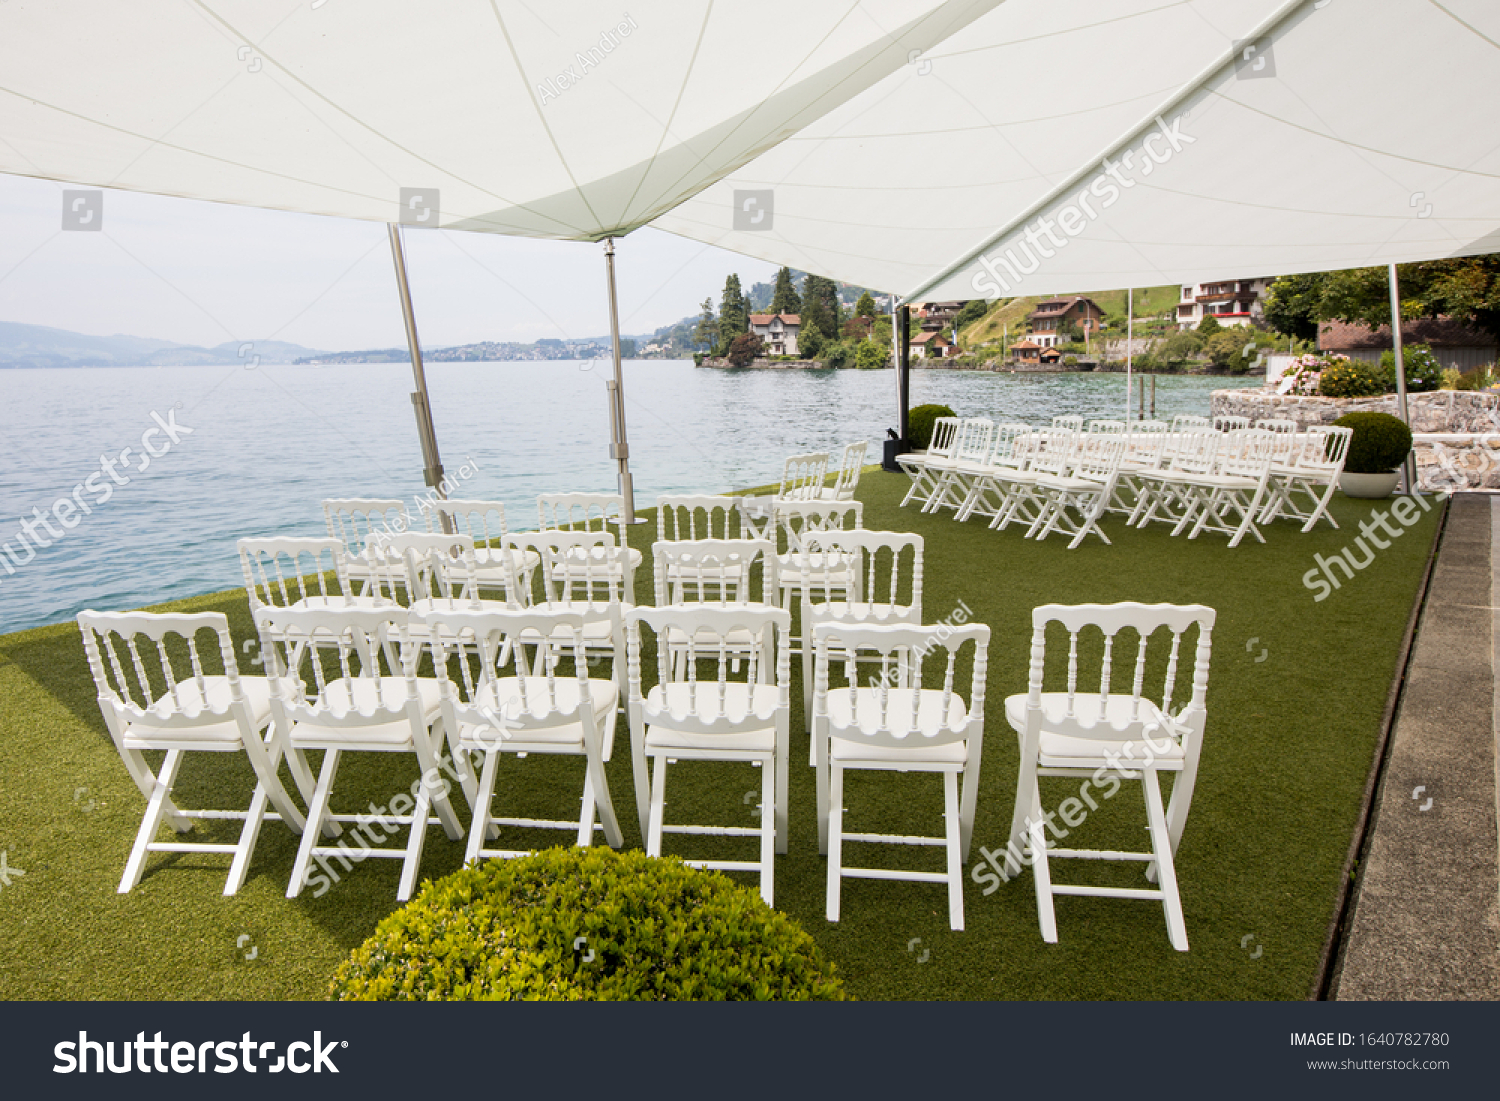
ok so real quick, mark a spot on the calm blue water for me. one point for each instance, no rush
(267, 445)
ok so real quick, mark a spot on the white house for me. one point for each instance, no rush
(778, 331)
(1231, 301)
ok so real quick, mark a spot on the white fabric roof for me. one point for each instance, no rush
(1310, 136)
(333, 107)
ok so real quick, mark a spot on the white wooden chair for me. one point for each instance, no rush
(719, 572)
(1048, 454)
(353, 705)
(988, 491)
(1187, 422)
(156, 694)
(358, 522)
(745, 720)
(1226, 423)
(484, 522)
(594, 513)
(955, 474)
(802, 477)
(851, 464)
(900, 725)
(915, 463)
(289, 572)
(1086, 489)
(688, 516)
(1117, 735)
(794, 519)
(1107, 427)
(1193, 451)
(585, 574)
(1239, 484)
(1313, 473)
(857, 577)
(495, 712)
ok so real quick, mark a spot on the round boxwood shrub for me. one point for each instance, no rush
(1345, 378)
(919, 422)
(574, 924)
(1379, 445)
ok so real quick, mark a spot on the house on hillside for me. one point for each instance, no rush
(1229, 301)
(1453, 343)
(938, 315)
(1025, 351)
(933, 343)
(778, 331)
(1053, 315)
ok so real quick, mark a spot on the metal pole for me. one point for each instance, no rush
(1129, 345)
(904, 369)
(432, 464)
(1408, 468)
(619, 447)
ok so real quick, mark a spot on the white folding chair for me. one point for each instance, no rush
(288, 572)
(484, 523)
(850, 466)
(355, 706)
(1087, 489)
(594, 513)
(802, 477)
(156, 695)
(718, 719)
(688, 516)
(1226, 423)
(1186, 422)
(1238, 485)
(915, 463)
(1191, 452)
(715, 571)
(1107, 734)
(358, 522)
(585, 574)
(1313, 473)
(491, 712)
(1107, 427)
(1067, 423)
(856, 577)
(1048, 454)
(794, 519)
(988, 490)
(970, 457)
(899, 725)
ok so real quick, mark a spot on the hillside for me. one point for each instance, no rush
(43, 346)
(1149, 302)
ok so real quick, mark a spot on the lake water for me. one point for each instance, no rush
(268, 444)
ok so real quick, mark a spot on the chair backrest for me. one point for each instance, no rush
(795, 517)
(280, 571)
(353, 520)
(891, 714)
(578, 511)
(483, 521)
(151, 666)
(1055, 451)
(1185, 421)
(1226, 423)
(474, 699)
(1192, 450)
(1091, 715)
(698, 516)
(1106, 426)
(1067, 422)
(850, 466)
(873, 575)
(342, 649)
(1147, 441)
(1277, 424)
(1100, 455)
(975, 440)
(581, 568)
(715, 634)
(1324, 449)
(1247, 453)
(802, 477)
(1009, 450)
(719, 571)
(944, 436)
(431, 564)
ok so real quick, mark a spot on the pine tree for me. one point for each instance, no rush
(707, 332)
(865, 307)
(785, 299)
(820, 302)
(734, 315)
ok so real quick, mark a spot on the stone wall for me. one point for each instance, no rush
(1456, 432)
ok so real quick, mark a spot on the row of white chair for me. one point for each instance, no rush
(1223, 477)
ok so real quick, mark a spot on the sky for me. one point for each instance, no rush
(205, 273)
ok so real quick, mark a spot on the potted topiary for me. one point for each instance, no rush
(919, 423)
(1377, 449)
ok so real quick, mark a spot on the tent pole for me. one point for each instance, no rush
(619, 446)
(903, 369)
(432, 464)
(1408, 468)
(1129, 345)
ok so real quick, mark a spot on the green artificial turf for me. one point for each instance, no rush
(1289, 743)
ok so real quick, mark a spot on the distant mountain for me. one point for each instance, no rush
(42, 346)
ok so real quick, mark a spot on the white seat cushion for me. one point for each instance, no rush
(1055, 745)
(756, 732)
(162, 732)
(369, 693)
(849, 745)
(504, 698)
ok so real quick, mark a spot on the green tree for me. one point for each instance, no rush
(870, 354)
(734, 314)
(836, 354)
(1180, 347)
(1236, 348)
(1209, 325)
(1293, 305)
(820, 306)
(706, 335)
(972, 312)
(784, 298)
(865, 307)
(809, 340)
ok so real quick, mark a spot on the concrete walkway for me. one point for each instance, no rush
(1426, 916)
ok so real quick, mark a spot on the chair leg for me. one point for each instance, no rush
(156, 808)
(768, 816)
(1041, 871)
(145, 780)
(658, 807)
(835, 838)
(1166, 873)
(415, 842)
(240, 866)
(596, 797)
(316, 811)
(480, 827)
(955, 843)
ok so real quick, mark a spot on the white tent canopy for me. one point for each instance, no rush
(576, 121)
(1025, 155)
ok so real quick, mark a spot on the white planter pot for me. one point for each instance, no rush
(1368, 485)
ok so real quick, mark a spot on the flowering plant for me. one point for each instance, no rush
(1303, 376)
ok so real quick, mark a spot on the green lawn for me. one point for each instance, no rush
(1288, 747)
